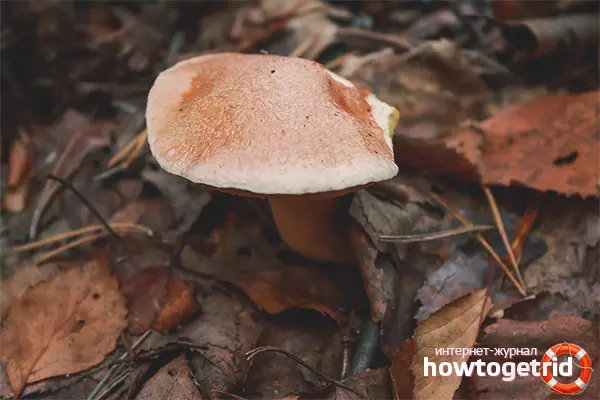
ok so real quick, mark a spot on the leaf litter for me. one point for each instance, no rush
(502, 94)
(63, 326)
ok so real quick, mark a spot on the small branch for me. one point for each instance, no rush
(367, 345)
(253, 353)
(85, 201)
(424, 237)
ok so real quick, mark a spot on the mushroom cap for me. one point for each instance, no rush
(268, 124)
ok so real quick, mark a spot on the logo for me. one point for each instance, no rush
(549, 368)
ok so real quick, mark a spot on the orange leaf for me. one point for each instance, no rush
(157, 299)
(403, 379)
(181, 304)
(546, 144)
(63, 326)
(275, 290)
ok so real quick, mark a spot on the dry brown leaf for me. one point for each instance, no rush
(507, 148)
(17, 285)
(227, 328)
(317, 341)
(455, 325)
(403, 380)
(63, 326)
(434, 90)
(278, 289)
(240, 253)
(157, 299)
(541, 335)
(172, 382)
(378, 286)
(546, 144)
(181, 304)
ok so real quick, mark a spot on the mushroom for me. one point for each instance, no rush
(278, 127)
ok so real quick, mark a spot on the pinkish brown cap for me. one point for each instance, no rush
(268, 124)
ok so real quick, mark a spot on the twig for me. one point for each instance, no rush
(79, 232)
(434, 235)
(502, 231)
(85, 201)
(264, 349)
(481, 240)
(367, 345)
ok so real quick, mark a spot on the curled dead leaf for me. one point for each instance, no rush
(158, 299)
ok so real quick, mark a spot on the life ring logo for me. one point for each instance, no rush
(549, 368)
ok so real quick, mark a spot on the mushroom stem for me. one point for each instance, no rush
(307, 225)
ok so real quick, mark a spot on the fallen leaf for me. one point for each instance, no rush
(157, 299)
(455, 325)
(469, 268)
(17, 284)
(567, 128)
(571, 229)
(373, 384)
(187, 199)
(170, 382)
(543, 334)
(540, 335)
(225, 330)
(402, 376)
(433, 91)
(317, 341)
(77, 136)
(278, 289)
(396, 208)
(154, 213)
(378, 286)
(63, 326)
(504, 150)
(241, 253)
(181, 304)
